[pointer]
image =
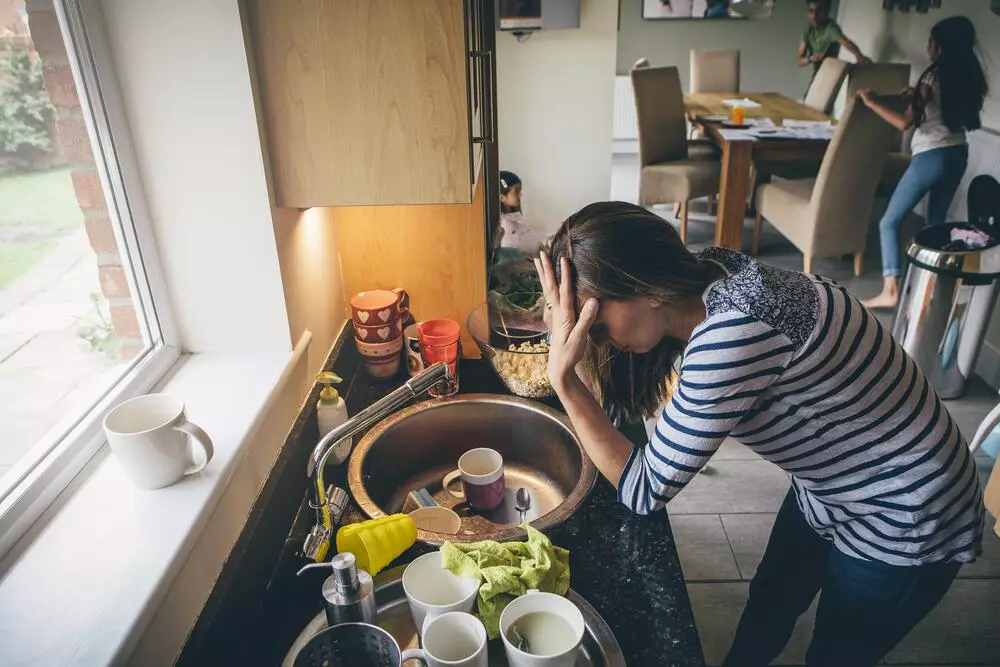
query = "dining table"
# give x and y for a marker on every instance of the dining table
(710, 113)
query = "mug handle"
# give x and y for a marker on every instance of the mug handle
(413, 654)
(202, 439)
(448, 479)
(402, 297)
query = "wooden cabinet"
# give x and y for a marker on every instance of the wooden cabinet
(373, 101)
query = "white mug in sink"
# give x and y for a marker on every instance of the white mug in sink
(552, 625)
(432, 590)
(149, 437)
(453, 639)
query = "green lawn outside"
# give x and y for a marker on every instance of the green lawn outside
(36, 208)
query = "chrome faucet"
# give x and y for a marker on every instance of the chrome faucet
(318, 541)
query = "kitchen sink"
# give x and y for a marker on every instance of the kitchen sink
(418, 445)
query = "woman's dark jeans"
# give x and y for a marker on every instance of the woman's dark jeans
(865, 607)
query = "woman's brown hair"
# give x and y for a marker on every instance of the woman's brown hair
(619, 252)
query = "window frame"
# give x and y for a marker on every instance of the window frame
(43, 473)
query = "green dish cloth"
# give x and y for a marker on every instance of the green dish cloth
(507, 570)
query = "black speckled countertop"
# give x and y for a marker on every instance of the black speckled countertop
(625, 565)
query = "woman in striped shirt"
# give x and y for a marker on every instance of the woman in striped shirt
(885, 503)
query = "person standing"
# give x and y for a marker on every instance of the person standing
(945, 103)
(885, 502)
(823, 38)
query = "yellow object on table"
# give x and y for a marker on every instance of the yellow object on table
(376, 542)
(507, 570)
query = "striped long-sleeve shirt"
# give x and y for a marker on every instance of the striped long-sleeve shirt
(796, 369)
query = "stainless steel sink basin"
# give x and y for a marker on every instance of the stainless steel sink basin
(417, 446)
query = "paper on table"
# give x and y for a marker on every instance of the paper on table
(736, 135)
(810, 124)
(745, 103)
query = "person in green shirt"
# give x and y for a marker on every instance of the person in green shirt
(823, 38)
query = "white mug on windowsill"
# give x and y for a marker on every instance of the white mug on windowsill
(149, 437)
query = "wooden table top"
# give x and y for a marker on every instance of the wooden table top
(775, 106)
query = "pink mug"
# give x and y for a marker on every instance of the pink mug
(483, 482)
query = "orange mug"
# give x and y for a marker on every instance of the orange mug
(739, 115)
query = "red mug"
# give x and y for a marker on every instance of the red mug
(483, 483)
(379, 333)
(378, 307)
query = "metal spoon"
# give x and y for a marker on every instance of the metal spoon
(522, 502)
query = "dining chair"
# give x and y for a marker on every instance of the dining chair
(715, 71)
(886, 79)
(826, 84)
(671, 168)
(828, 216)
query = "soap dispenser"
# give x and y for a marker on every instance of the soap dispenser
(348, 593)
(331, 412)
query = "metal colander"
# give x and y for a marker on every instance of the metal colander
(350, 645)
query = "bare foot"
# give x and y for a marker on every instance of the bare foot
(883, 300)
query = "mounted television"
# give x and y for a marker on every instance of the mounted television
(529, 15)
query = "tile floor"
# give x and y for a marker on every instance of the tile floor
(723, 519)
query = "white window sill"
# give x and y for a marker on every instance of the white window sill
(84, 582)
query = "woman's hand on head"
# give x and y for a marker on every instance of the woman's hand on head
(568, 330)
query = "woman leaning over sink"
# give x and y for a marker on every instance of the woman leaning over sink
(885, 503)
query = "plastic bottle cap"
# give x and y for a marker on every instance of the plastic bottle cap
(329, 393)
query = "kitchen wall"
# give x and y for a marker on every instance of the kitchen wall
(902, 37)
(311, 278)
(555, 98)
(767, 47)
(197, 150)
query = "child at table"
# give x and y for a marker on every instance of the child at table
(945, 103)
(823, 38)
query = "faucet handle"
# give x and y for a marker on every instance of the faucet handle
(315, 546)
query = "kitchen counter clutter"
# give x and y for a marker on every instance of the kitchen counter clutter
(624, 565)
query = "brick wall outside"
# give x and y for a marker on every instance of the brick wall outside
(74, 144)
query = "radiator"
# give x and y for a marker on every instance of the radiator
(624, 115)
(984, 158)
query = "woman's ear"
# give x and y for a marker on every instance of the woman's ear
(654, 303)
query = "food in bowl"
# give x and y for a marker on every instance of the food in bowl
(524, 368)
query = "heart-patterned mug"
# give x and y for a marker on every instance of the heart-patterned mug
(380, 333)
(378, 308)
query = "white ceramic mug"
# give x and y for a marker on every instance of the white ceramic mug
(149, 437)
(454, 639)
(432, 590)
(533, 602)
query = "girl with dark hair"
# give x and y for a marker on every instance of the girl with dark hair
(943, 106)
(516, 234)
(885, 503)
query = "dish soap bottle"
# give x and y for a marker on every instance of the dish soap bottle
(331, 412)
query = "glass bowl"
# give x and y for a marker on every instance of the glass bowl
(519, 356)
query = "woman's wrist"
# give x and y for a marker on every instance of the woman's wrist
(563, 382)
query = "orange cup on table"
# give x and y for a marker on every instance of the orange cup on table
(739, 115)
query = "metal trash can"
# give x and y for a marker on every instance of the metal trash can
(945, 305)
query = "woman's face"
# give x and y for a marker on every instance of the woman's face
(635, 325)
(932, 48)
